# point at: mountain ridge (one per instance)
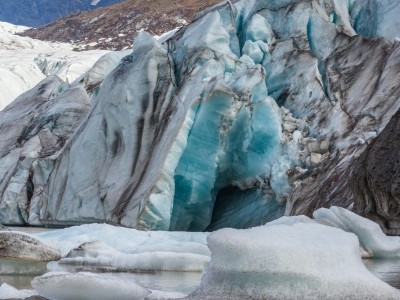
(35, 13)
(114, 27)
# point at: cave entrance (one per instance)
(236, 208)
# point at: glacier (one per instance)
(24, 62)
(255, 110)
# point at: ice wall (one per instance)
(376, 18)
(235, 120)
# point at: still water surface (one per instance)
(20, 274)
(387, 270)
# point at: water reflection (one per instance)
(182, 282)
(387, 270)
(20, 273)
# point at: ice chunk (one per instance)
(109, 258)
(258, 29)
(302, 261)
(9, 292)
(126, 240)
(87, 286)
(123, 249)
(257, 51)
(368, 232)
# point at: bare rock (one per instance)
(4, 228)
(15, 245)
(376, 179)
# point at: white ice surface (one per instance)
(11, 28)
(369, 233)
(295, 261)
(9, 292)
(125, 249)
(24, 62)
(87, 286)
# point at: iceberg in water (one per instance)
(88, 286)
(304, 260)
(371, 237)
(106, 247)
(289, 256)
(9, 292)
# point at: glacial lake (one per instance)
(12, 272)
(387, 270)
(20, 274)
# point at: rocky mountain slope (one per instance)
(36, 13)
(115, 27)
(255, 110)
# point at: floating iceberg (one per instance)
(106, 247)
(286, 257)
(87, 286)
(9, 292)
(295, 261)
(369, 233)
